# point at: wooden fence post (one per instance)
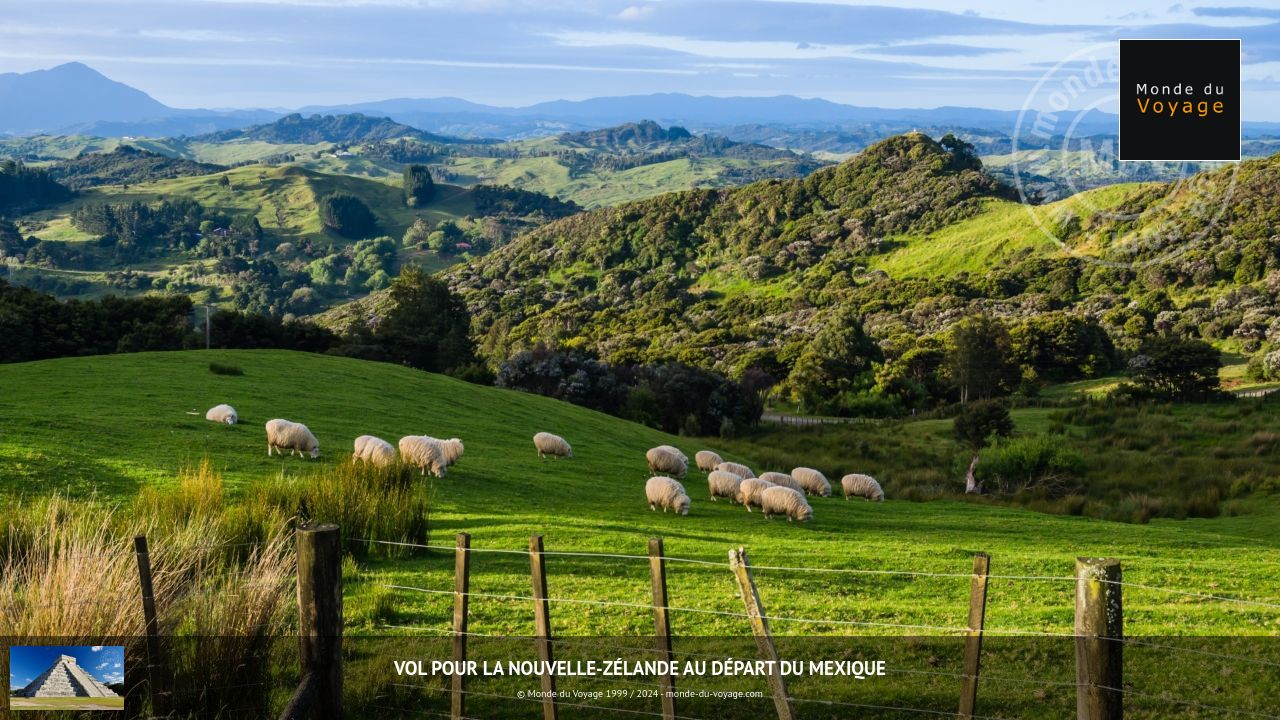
(542, 627)
(320, 616)
(760, 627)
(662, 625)
(1099, 640)
(155, 663)
(973, 635)
(461, 588)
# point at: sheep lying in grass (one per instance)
(723, 484)
(424, 453)
(785, 501)
(738, 469)
(812, 481)
(222, 414)
(373, 450)
(663, 492)
(783, 479)
(552, 445)
(295, 437)
(863, 486)
(452, 450)
(707, 460)
(749, 491)
(666, 459)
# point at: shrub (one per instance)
(1033, 463)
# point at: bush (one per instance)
(1035, 463)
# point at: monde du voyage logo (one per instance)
(1179, 100)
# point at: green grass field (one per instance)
(999, 232)
(104, 427)
(66, 704)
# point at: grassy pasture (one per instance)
(106, 427)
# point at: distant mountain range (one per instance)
(76, 99)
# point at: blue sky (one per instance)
(908, 53)
(106, 663)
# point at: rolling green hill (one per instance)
(106, 426)
(909, 236)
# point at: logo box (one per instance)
(1180, 100)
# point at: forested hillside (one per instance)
(781, 277)
(126, 165)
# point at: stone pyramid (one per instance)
(65, 678)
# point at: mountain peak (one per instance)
(69, 94)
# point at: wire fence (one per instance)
(827, 624)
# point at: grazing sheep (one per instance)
(295, 437)
(785, 501)
(749, 491)
(666, 459)
(723, 484)
(452, 450)
(552, 445)
(373, 450)
(668, 494)
(783, 479)
(424, 453)
(738, 469)
(813, 482)
(863, 486)
(707, 460)
(677, 451)
(222, 414)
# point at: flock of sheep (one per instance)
(775, 493)
(426, 453)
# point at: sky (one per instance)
(104, 662)
(900, 53)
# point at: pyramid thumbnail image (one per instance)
(65, 678)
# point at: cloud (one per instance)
(937, 50)
(635, 12)
(1236, 12)
(103, 665)
(96, 648)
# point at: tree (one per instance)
(427, 326)
(1174, 368)
(347, 215)
(839, 353)
(974, 427)
(418, 186)
(980, 358)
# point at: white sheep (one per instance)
(785, 501)
(677, 451)
(552, 445)
(424, 453)
(813, 482)
(783, 479)
(373, 450)
(222, 414)
(452, 450)
(738, 469)
(863, 486)
(295, 437)
(723, 484)
(666, 493)
(666, 459)
(707, 460)
(749, 491)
